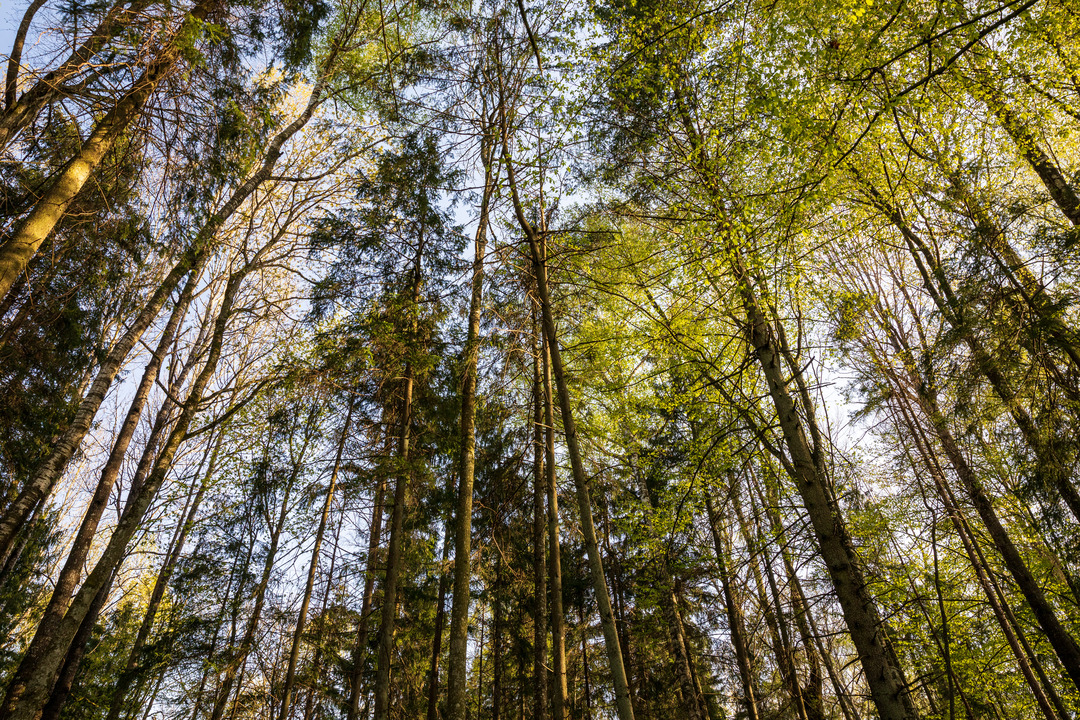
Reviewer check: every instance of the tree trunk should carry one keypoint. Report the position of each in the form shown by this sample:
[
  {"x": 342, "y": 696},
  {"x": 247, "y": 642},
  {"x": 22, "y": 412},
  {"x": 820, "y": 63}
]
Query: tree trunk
[
  {"x": 560, "y": 702},
  {"x": 879, "y": 662},
  {"x": 161, "y": 583},
  {"x": 771, "y": 610},
  {"x": 540, "y": 613},
  {"x": 736, "y": 622},
  {"x": 440, "y": 622},
  {"x": 84, "y": 537},
  {"x": 20, "y": 112},
  {"x": 61, "y": 689},
  {"x": 624, "y": 708},
  {"x": 812, "y": 690},
  {"x": 1062, "y": 193},
  {"x": 397, "y": 529},
  {"x": 313, "y": 568},
  {"x": 48, "y": 473},
  {"x": 32, "y": 230},
  {"x": 1064, "y": 644},
  {"x": 1050, "y": 468},
  {"x": 457, "y": 672},
  {"x": 1055, "y": 711},
  {"x": 497, "y": 630},
  {"x": 27, "y": 694},
  {"x": 316, "y": 661}
]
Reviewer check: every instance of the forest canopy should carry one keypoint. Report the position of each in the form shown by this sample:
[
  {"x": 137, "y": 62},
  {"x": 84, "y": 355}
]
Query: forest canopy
[{"x": 697, "y": 359}]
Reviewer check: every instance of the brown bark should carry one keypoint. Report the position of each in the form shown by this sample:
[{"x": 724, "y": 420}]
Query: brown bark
[
  {"x": 1051, "y": 711},
  {"x": 1061, "y": 192},
  {"x": 80, "y": 547},
  {"x": 497, "y": 630},
  {"x": 771, "y": 610},
  {"x": 880, "y": 665},
  {"x": 693, "y": 700},
  {"x": 807, "y": 459},
  {"x": 15, "y": 57},
  {"x": 61, "y": 689},
  {"x": 1064, "y": 644}
]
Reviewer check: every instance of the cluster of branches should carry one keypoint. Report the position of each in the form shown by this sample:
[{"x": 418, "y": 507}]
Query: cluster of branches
[{"x": 312, "y": 312}]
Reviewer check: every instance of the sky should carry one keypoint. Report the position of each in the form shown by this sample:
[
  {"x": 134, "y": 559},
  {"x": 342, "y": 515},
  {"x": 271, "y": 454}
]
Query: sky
[{"x": 10, "y": 15}]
